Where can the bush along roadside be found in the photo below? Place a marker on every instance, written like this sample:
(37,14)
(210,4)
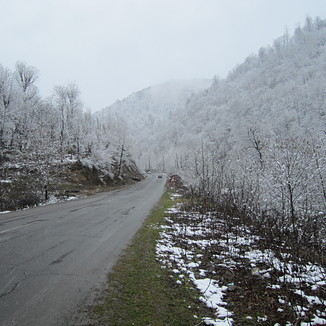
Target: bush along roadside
(141,291)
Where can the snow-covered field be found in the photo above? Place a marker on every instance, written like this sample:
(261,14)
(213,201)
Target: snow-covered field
(241,277)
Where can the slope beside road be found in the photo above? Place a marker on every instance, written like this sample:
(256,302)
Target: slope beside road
(52,257)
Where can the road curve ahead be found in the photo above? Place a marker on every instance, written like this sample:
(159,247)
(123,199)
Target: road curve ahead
(52,257)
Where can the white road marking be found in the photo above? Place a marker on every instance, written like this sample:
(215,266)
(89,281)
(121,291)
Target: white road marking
(16,227)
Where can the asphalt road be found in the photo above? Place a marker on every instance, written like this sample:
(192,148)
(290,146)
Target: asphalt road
(53,257)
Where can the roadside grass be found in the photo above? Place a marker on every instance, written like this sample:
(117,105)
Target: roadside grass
(141,292)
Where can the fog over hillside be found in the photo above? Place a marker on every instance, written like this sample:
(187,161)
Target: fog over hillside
(148,115)
(278,90)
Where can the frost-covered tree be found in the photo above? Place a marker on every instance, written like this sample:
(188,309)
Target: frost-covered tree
(6,103)
(26,100)
(67,99)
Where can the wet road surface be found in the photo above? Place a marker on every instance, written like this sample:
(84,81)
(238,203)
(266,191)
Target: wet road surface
(53,257)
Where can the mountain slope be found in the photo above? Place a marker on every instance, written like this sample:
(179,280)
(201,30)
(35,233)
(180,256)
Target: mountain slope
(282,90)
(257,139)
(254,141)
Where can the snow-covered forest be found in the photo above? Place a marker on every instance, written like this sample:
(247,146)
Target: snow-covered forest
(255,140)
(259,135)
(42,139)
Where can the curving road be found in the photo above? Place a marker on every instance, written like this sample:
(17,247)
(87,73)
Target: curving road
(53,257)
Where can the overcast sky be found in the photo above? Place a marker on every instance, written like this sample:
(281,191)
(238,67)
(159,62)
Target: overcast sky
(112,48)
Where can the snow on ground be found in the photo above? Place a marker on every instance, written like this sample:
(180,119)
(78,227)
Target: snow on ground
(184,263)
(5,181)
(52,200)
(188,237)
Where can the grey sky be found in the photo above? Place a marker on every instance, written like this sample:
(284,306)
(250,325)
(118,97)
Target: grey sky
(112,48)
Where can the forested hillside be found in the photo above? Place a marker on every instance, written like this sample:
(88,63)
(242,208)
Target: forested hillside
(52,146)
(255,140)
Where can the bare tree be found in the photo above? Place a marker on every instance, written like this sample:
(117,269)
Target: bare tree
(256,143)
(25,77)
(69,106)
